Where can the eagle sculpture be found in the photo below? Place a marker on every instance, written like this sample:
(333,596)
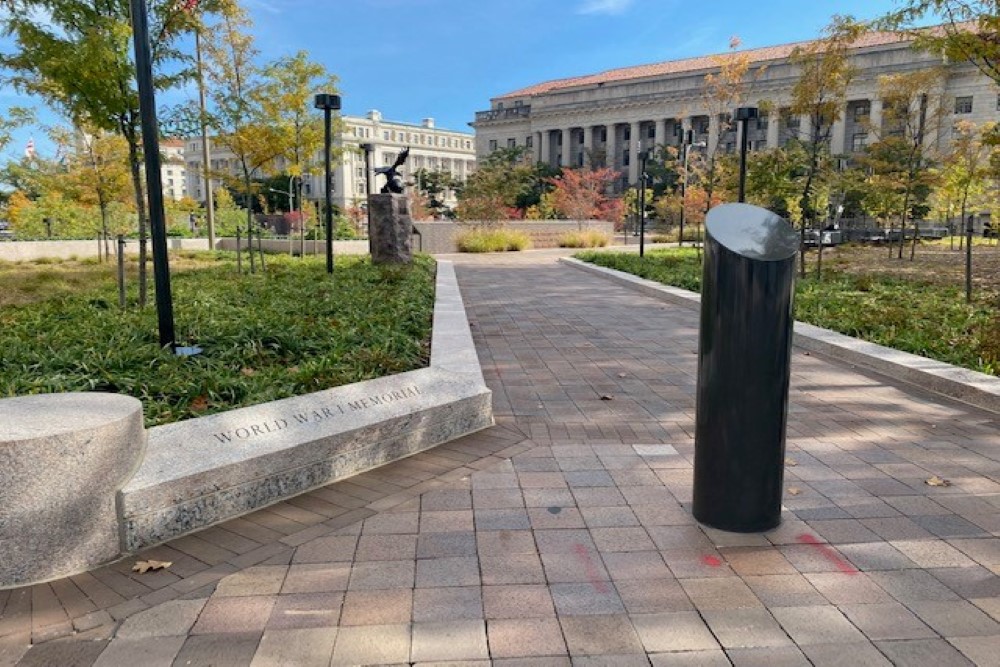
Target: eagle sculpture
(393,180)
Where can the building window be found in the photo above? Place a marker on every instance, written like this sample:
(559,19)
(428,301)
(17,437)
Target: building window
(963,104)
(625,158)
(861,112)
(763,121)
(627,133)
(493,145)
(859,141)
(529,141)
(604,134)
(512,143)
(651,132)
(361,172)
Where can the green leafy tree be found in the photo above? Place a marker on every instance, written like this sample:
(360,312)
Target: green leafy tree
(433,186)
(14,118)
(502,181)
(76,56)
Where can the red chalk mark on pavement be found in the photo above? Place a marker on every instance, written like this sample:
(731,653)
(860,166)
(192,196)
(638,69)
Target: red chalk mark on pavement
(590,568)
(828,552)
(711,561)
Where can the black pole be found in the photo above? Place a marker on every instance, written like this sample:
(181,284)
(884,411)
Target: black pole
(329,195)
(642,204)
(151,150)
(968,258)
(367,148)
(121,272)
(743,161)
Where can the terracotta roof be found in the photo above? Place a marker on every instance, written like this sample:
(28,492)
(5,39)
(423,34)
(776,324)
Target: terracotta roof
(691,64)
(173,143)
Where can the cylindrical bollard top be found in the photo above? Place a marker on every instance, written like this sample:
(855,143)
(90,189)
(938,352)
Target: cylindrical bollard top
(752,232)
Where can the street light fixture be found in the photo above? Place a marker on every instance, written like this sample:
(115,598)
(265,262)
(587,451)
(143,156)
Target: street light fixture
(743,117)
(328,103)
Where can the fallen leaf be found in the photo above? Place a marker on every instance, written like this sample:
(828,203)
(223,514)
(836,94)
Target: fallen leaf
(144,566)
(248,371)
(791,462)
(199,404)
(937,481)
(623,375)
(605,397)
(794,490)
(293,369)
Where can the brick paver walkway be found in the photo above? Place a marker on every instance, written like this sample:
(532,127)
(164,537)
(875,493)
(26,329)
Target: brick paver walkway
(564,534)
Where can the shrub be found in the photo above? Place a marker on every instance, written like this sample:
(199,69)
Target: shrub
(587,239)
(492,240)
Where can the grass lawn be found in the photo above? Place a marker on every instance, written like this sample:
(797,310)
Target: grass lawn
(287,331)
(896,303)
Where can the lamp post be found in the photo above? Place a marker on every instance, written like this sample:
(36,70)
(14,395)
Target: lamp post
(688,145)
(154,185)
(643,156)
(368,149)
(743,116)
(328,103)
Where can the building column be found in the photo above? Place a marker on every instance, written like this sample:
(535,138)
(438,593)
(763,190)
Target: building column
(773,128)
(661,132)
(713,134)
(545,148)
(634,142)
(538,146)
(805,127)
(875,121)
(838,135)
(564,153)
(611,147)
(685,128)
(588,145)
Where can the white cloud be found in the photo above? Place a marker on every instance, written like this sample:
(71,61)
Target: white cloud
(603,6)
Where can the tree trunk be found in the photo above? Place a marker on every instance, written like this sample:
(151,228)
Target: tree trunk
(249,204)
(104,227)
(140,203)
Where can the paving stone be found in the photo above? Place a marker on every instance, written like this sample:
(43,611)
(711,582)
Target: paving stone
(225,650)
(980,650)
(492,499)
(886,621)
(600,635)
(63,654)
(445,604)
(596,598)
(673,631)
(453,571)
(745,628)
(846,655)
(526,601)
(955,618)
(932,553)
(582,566)
(912,586)
(446,521)
(446,499)
(170,618)
(316,578)
(555,517)
(334,548)
(523,637)
(377,607)
(757,561)
(875,556)
(234,615)
(504,542)
(642,596)
(622,539)
(968,582)
(382,574)
(936,652)
(306,610)
(691,564)
(449,640)
(305,647)
(635,565)
(784,656)
(502,519)
(550,498)
(720,593)
(511,569)
(148,652)
(608,517)
(388,523)
(258,580)
(843,588)
(437,545)
(372,644)
(817,625)
(785,590)
(386,547)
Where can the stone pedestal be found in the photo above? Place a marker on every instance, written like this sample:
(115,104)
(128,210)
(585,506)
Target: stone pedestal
(391,229)
(63,458)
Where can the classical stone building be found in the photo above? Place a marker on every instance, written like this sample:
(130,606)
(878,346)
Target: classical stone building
(605,119)
(173,173)
(431,148)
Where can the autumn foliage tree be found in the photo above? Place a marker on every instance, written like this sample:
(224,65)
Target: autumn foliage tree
(581,194)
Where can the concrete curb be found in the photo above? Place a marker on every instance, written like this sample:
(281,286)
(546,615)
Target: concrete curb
(974,388)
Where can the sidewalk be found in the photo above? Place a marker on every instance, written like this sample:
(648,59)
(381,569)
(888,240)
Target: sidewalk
(564,535)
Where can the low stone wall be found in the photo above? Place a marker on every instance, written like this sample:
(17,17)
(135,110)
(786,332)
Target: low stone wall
(439,237)
(20,251)
(296,247)
(202,471)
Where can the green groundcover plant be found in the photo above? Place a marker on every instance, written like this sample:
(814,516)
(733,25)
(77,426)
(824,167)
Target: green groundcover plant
(289,330)
(923,318)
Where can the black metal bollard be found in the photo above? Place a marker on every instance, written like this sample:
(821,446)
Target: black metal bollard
(743,368)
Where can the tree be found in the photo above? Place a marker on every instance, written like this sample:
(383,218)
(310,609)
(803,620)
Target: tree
(579,194)
(75,55)
(501,184)
(433,186)
(237,93)
(722,93)
(13,119)
(900,159)
(286,97)
(819,94)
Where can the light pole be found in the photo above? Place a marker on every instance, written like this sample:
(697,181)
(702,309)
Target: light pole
(688,145)
(743,116)
(368,149)
(328,103)
(643,156)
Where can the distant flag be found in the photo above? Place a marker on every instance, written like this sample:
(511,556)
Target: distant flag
(29,150)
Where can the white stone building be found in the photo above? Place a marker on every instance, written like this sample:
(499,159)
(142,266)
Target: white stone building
(431,148)
(613,115)
(173,171)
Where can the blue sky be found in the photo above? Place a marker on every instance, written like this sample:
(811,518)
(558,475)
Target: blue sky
(444,59)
